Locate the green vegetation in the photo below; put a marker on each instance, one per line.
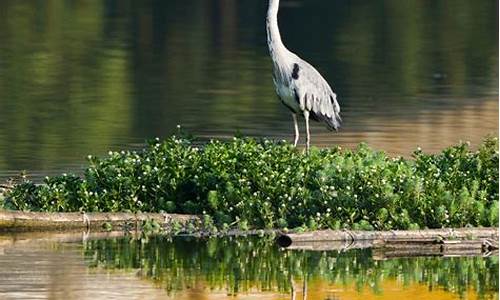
(244, 264)
(249, 184)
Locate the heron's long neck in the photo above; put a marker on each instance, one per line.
(276, 46)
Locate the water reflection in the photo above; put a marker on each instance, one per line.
(242, 266)
(84, 77)
(61, 266)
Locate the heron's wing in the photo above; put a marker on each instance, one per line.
(315, 94)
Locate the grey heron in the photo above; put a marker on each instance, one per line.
(298, 84)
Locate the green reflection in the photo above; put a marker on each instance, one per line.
(240, 264)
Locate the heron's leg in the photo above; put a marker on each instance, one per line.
(308, 136)
(304, 289)
(296, 125)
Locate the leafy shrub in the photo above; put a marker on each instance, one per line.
(265, 184)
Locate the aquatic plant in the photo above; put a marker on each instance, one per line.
(248, 183)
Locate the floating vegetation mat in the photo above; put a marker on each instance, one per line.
(247, 183)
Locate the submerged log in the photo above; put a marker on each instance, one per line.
(39, 221)
(288, 240)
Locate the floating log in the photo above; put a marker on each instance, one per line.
(287, 240)
(39, 221)
(412, 248)
(330, 246)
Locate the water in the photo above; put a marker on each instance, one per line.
(83, 77)
(62, 266)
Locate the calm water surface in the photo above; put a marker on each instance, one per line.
(40, 267)
(83, 77)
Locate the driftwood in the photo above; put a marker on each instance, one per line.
(384, 249)
(288, 240)
(394, 244)
(37, 221)
(330, 245)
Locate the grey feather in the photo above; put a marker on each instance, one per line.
(298, 84)
(316, 95)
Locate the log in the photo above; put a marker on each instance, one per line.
(287, 240)
(330, 246)
(39, 221)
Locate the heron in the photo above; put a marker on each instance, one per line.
(298, 84)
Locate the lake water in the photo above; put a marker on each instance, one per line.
(84, 77)
(66, 266)
(88, 76)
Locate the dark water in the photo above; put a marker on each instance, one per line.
(40, 267)
(83, 77)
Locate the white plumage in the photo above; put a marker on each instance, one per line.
(298, 84)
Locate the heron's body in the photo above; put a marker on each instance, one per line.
(298, 84)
